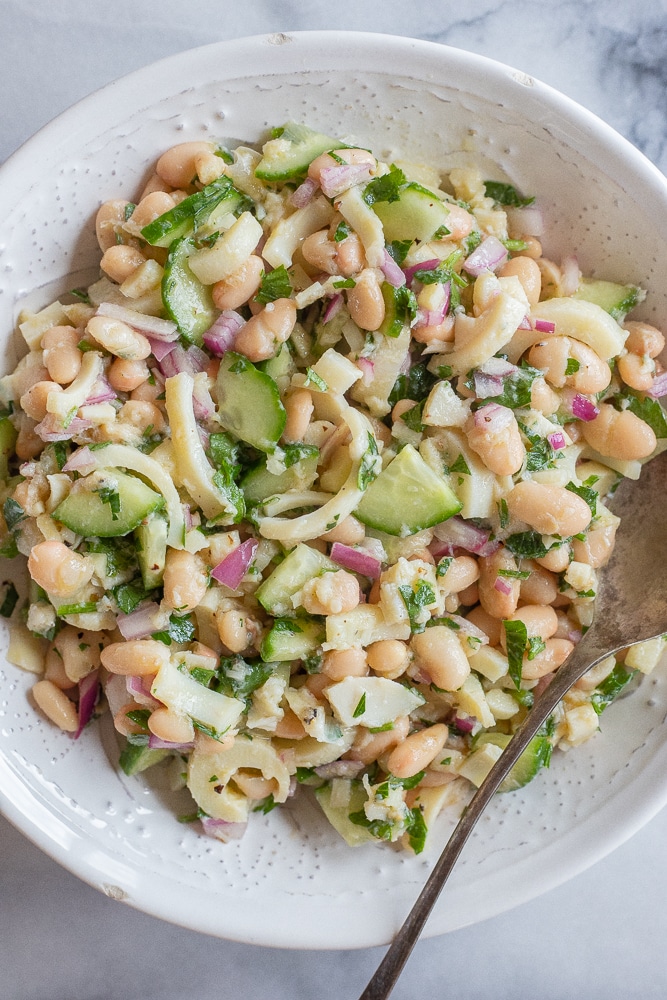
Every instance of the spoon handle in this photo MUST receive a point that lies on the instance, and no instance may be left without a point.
(586, 655)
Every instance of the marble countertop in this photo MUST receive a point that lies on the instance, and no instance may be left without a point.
(600, 935)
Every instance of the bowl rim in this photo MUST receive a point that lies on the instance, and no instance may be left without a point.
(648, 794)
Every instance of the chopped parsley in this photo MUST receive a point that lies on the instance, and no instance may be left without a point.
(342, 232)
(181, 629)
(345, 283)
(416, 600)
(274, 285)
(13, 513)
(312, 378)
(385, 188)
(572, 366)
(587, 494)
(506, 194)
(265, 805)
(110, 495)
(129, 596)
(368, 467)
(84, 608)
(443, 565)
(516, 638)
(503, 513)
(361, 707)
(415, 384)
(9, 600)
(460, 465)
(526, 545)
(238, 678)
(412, 418)
(648, 410)
(610, 688)
(398, 250)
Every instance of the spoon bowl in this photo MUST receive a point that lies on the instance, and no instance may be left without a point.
(630, 608)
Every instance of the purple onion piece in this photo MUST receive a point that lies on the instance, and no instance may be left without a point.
(234, 567)
(89, 688)
(425, 265)
(488, 256)
(356, 560)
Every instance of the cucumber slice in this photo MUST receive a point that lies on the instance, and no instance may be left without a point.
(615, 299)
(292, 639)
(300, 474)
(397, 314)
(151, 539)
(536, 756)
(249, 403)
(280, 366)
(407, 497)
(416, 215)
(186, 300)
(135, 759)
(7, 442)
(220, 197)
(107, 503)
(300, 565)
(292, 152)
(339, 816)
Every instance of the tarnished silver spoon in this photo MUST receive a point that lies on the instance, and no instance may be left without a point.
(631, 606)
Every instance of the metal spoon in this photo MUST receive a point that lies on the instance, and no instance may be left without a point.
(631, 606)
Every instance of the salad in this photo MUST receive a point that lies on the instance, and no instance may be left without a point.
(312, 482)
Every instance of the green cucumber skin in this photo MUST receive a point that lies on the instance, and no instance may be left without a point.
(134, 760)
(407, 482)
(249, 403)
(8, 437)
(182, 219)
(298, 566)
(616, 299)
(186, 300)
(305, 146)
(84, 512)
(536, 756)
(281, 646)
(417, 214)
(151, 536)
(259, 483)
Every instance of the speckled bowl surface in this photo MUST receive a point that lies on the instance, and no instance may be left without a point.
(291, 882)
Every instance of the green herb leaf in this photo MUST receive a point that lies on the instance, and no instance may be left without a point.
(181, 629)
(312, 378)
(516, 637)
(443, 565)
(572, 366)
(506, 194)
(416, 830)
(412, 418)
(586, 493)
(503, 513)
(648, 410)
(415, 601)
(526, 545)
(535, 646)
(110, 496)
(398, 250)
(139, 716)
(345, 283)
(415, 384)
(266, 805)
(13, 513)
(274, 285)
(460, 465)
(361, 707)
(82, 294)
(369, 467)
(342, 232)
(385, 188)
(85, 608)
(129, 596)
(238, 678)
(514, 574)
(611, 687)
(9, 600)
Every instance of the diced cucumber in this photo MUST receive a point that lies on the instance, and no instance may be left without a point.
(407, 497)
(107, 503)
(219, 197)
(291, 153)
(536, 756)
(249, 403)
(134, 759)
(292, 639)
(259, 483)
(7, 442)
(614, 298)
(298, 566)
(280, 366)
(396, 310)
(417, 214)
(151, 537)
(186, 300)
(339, 816)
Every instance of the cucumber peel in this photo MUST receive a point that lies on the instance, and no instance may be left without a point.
(107, 504)
(292, 151)
(536, 756)
(186, 300)
(249, 403)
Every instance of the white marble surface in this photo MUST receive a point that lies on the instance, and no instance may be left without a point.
(599, 936)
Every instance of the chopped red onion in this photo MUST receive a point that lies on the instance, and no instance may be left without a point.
(193, 360)
(89, 688)
(356, 560)
(234, 567)
(340, 769)
(425, 265)
(487, 385)
(202, 403)
(659, 387)
(502, 585)
(150, 326)
(50, 428)
(139, 623)
(222, 333)
(392, 272)
(333, 306)
(155, 743)
(336, 179)
(493, 417)
(368, 368)
(303, 195)
(457, 533)
(570, 275)
(584, 408)
(161, 348)
(222, 830)
(544, 326)
(525, 324)
(80, 460)
(488, 256)
(556, 440)
(141, 692)
(498, 366)
(101, 392)
(465, 723)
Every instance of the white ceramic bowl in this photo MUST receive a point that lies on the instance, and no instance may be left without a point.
(291, 882)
